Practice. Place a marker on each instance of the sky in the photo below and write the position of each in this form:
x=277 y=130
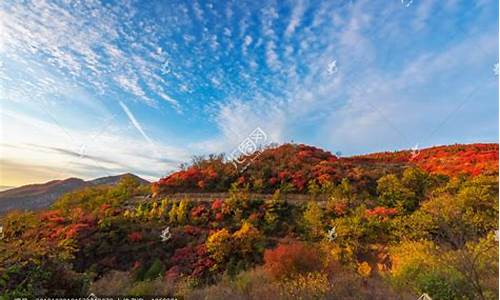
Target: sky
x=99 y=88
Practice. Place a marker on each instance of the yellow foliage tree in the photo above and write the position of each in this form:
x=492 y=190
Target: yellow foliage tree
x=246 y=238
x=219 y=245
x=364 y=269
x=182 y=212
x=313 y=219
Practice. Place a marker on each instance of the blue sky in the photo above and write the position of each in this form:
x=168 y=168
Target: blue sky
x=104 y=87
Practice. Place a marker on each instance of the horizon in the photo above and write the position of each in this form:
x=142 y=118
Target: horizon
x=93 y=89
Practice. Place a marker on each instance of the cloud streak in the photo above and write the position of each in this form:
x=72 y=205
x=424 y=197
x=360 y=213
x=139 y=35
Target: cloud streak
x=136 y=123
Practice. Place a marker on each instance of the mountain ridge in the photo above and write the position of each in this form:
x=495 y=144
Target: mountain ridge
x=292 y=167
x=41 y=195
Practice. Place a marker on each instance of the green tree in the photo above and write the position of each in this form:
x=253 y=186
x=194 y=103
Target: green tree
x=156 y=269
x=392 y=193
x=313 y=220
x=468 y=215
x=351 y=232
x=274 y=210
x=238 y=201
x=478 y=264
x=417 y=267
x=467 y=273
x=345 y=189
x=313 y=189
x=416 y=180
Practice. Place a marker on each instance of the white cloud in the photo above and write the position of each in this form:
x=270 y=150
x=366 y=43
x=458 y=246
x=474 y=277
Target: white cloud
x=366 y=105
x=86 y=153
x=396 y=109
x=248 y=40
x=131 y=85
x=295 y=18
x=81 y=41
x=424 y=11
x=271 y=55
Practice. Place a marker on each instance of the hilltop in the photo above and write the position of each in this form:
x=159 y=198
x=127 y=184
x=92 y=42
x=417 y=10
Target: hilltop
x=452 y=160
x=294 y=167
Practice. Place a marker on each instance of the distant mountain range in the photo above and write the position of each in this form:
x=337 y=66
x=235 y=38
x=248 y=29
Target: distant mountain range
x=38 y=196
x=5 y=187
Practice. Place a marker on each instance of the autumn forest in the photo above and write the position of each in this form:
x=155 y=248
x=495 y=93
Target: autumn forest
x=297 y=222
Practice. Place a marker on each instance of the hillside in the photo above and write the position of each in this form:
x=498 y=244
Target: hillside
x=294 y=168
x=112 y=180
x=416 y=229
x=473 y=159
x=38 y=196
x=5 y=187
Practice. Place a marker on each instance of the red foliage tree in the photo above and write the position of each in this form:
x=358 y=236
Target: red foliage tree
x=382 y=212
x=192 y=260
x=135 y=236
x=289 y=259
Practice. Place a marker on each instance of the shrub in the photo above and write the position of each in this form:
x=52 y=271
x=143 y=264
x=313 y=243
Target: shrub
x=393 y=193
x=217 y=204
x=364 y=269
x=381 y=212
x=112 y=283
x=37 y=278
x=135 y=236
x=287 y=260
x=199 y=214
x=419 y=267
x=192 y=260
x=156 y=287
x=274 y=213
x=236 y=251
x=247 y=240
x=252 y=284
x=154 y=270
x=219 y=245
x=306 y=286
